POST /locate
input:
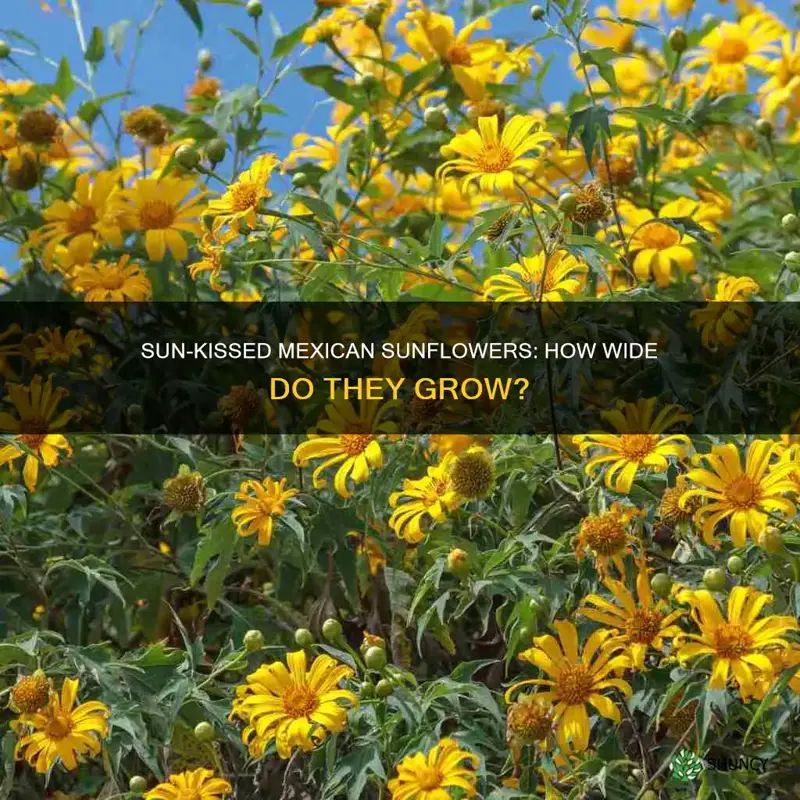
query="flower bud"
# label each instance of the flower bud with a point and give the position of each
(537, 13)
(458, 563)
(253, 641)
(567, 203)
(5, 49)
(303, 637)
(764, 127)
(204, 732)
(332, 629)
(205, 60)
(187, 156)
(215, 150)
(255, 9)
(790, 223)
(678, 40)
(436, 118)
(137, 784)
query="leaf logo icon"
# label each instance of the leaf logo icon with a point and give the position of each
(686, 766)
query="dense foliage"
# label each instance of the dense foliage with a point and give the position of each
(358, 613)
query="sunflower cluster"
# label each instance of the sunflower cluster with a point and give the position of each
(382, 602)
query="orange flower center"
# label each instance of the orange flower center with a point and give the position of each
(81, 220)
(658, 236)
(637, 446)
(429, 778)
(574, 685)
(156, 215)
(244, 196)
(494, 158)
(355, 443)
(604, 534)
(732, 641)
(112, 280)
(299, 701)
(58, 727)
(732, 51)
(458, 54)
(33, 432)
(644, 625)
(743, 492)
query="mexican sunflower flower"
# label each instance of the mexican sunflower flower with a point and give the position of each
(432, 495)
(295, 707)
(491, 158)
(348, 440)
(112, 282)
(575, 679)
(730, 48)
(643, 623)
(535, 280)
(37, 406)
(606, 537)
(199, 784)
(83, 221)
(260, 503)
(242, 198)
(656, 245)
(638, 443)
(737, 644)
(163, 211)
(744, 497)
(728, 314)
(433, 37)
(62, 733)
(422, 776)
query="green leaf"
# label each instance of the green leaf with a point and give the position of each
(319, 208)
(602, 58)
(589, 121)
(116, 37)
(14, 654)
(96, 49)
(285, 44)
(65, 83)
(435, 243)
(246, 41)
(325, 77)
(190, 7)
(218, 573)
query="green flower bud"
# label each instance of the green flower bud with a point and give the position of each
(204, 732)
(375, 658)
(332, 629)
(303, 637)
(253, 641)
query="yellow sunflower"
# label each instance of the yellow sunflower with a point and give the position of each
(56, 348)
(257, 511)
(433, 37)
(163, 211)
(655, 244)
(643, 622)
(84, 220)
(61, 733)
(491, 158)
(728, 314)
(242, 198)
(212, 250)
(324, 152)
(606, 537)
(348, 439)
(575, 679)
(432, 495)
(737, 645)
(522, 283)
(198, 784)
(782, 90)
(37, 407)
(429, 776)
(731, 47)
(109, 282)
(638, 443)
(745, 497)
(295, 707)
